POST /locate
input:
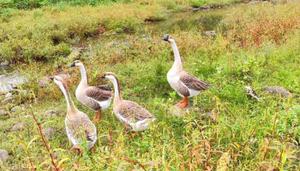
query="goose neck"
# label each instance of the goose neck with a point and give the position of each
(70, 104)
(177, 59)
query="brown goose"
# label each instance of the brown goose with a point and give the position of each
(182, 82)
(79, 128)
(129, 113)
(96, 98)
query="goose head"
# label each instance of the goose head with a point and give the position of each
(109, 76)
(168, 38)
(58, 80)
(76, 63)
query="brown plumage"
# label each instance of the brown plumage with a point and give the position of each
(131, 114)
(192, 82)
(79, 127)
(96, 98)
(182, 82)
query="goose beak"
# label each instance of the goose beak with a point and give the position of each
(102, 77)
(51, 78)
(166, 37)
(72, 65)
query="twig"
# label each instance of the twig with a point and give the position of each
(45, 142)
(134, 162)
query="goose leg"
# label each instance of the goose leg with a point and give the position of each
(97, 116)
(77, 149)
(183, 103)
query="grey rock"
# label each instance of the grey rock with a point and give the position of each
(251, 93)
(44, 82)
(16, 109)
(210, 33)
(3, 112)
(4, 63)
(7, 100)
(7, 95)
(51, 113)
(3, 155)
(277, 90)
(10, 81)
(48, 132)
(18, 126)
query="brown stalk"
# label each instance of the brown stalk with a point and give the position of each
(134, 162)
(46, 144)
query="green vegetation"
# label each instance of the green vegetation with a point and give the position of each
(30, 4)
(255, 44)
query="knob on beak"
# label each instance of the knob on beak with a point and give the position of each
(166, 37)
(73, 64)
(103, 76)
(51, 78)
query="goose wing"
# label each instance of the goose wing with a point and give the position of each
(98, 93)
(133, 112)
(80, 130)
(192, 82)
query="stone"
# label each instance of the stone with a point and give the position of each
(7, 95)
(16, 109)
(52, 113)
(48, 132)
(7, 100)
(4, 63)
(3, 155)
(277, 90)
(3, 112)
(210, 33)
(18, 126)
(44, 82)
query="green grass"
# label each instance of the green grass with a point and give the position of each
(257, 46)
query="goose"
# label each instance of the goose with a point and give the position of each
(96, 98)
(132, 115)
(80, 129)
(182, 82)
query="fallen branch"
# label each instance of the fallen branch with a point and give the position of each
(45, 142)
(134, 162)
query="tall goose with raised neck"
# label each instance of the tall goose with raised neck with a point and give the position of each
(96, 98)
(79, 127)
(132, 115)
(182, 82)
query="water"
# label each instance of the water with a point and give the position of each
(9, 79)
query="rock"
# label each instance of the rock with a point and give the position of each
(51, 113)
(3, 155)
(7, 100)
(210, 33)
(251, 93)
(277, 90)
(16, 109)
(7, 95)
(253, 2)
(10, 81)
(3, 112)
(48, 132)
(4, 64)
(44, 82)
(18, 126)
(201, 8)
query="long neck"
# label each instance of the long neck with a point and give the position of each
(83, 75)
(177, 60)
(70, 105)
(117, 95)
